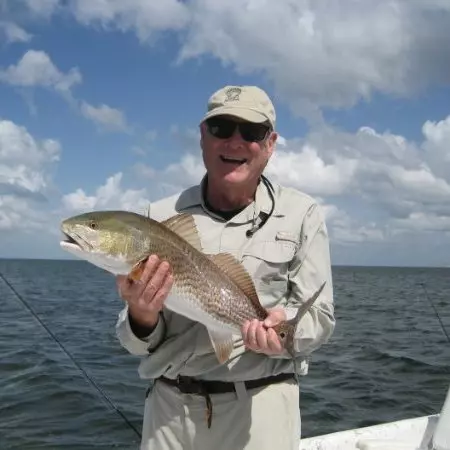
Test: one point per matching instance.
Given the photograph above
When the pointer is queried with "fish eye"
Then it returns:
(282, 335)
(93, 225)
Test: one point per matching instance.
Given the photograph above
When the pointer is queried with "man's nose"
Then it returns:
(236, 140)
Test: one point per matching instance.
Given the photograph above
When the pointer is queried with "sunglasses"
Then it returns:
(223, 128)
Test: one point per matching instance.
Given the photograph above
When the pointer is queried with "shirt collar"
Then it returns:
(194, 197)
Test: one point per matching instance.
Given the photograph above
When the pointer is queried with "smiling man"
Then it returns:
(279, 235)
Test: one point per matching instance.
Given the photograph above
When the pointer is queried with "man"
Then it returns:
(280, 237)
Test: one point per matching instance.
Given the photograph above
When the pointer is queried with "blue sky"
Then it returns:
(100, 103)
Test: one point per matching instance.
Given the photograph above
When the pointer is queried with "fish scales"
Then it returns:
(201, 283)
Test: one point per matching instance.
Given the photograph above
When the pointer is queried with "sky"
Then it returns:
(100, 102)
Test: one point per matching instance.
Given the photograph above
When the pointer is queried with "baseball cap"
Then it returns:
(249, 103)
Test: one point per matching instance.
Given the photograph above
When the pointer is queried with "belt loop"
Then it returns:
(241, 390)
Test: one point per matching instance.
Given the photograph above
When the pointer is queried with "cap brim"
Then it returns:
(242, 113)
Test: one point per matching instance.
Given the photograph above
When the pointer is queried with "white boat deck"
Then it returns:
(420, 433)
(408, 434)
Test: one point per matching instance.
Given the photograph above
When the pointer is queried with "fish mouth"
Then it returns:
(69, 239)
(74, 242)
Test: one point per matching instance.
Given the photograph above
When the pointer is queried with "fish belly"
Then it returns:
(189, 307)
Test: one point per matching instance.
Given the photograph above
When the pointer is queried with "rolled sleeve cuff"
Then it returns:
(135, 345)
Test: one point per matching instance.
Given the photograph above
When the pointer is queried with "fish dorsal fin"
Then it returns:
(237, 272)
(184, 225)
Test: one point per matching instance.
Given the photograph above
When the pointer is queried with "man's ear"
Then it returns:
(202, 128)
(271, 142)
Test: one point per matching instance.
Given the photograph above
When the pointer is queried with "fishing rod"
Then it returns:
(435, 311)
(84, 373)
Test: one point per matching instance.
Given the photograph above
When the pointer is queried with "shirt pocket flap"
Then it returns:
(279, 251)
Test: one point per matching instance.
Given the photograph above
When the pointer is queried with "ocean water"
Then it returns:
(388, 359)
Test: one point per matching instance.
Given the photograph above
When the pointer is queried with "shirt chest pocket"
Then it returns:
(268, 262)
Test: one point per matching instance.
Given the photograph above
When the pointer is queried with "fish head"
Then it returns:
(111, 240)
(286, 331)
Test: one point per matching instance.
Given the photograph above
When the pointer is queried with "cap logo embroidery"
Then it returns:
(233, 94)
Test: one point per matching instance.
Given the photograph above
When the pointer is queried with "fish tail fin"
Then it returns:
(287, 330)
(305, 307)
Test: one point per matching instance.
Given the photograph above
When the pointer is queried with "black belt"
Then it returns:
(189, 385)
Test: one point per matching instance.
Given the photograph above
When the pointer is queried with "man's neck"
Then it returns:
(229, 199)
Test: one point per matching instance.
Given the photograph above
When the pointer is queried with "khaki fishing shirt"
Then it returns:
(288, 259)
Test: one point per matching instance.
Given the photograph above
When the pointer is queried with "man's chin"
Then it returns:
(235, 178)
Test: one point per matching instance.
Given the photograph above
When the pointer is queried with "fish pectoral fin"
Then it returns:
(237, 272)
(222, 342)
(137, 270)
(184, 225)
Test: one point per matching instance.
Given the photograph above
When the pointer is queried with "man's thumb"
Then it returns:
(274, 318)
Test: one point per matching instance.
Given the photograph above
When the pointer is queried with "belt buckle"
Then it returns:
(188, 385)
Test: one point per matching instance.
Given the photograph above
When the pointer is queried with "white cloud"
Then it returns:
(42, 8)
(145, 18)
(110, 195)
(22, 158)
(306, 170)
(373, 184)
(144, 171)
(281, 141)
(423, 222)
(355, 234)
(107, 117)
(14, 33)
(113, 195)
(437, 146)
(36, 69)
(25, 175)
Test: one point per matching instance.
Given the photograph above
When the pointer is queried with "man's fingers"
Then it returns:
(156, 282)
(151, 266)
(261, 337)
(273, 343)
(161, 294)
(153, 278)
(251, 334)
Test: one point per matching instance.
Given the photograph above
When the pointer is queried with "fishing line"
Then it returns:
(435, 311)
(86, 375)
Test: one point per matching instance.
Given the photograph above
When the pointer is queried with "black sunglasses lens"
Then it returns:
(224, 129)
(253, 132)
(221, 128)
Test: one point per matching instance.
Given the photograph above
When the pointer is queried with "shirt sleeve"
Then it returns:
(307, 272)
(135, 345)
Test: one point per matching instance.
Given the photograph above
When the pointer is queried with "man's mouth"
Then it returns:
(232, 160)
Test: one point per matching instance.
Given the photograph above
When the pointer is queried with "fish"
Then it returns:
(213, 289)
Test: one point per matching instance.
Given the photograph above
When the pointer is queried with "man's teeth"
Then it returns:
(231, 159)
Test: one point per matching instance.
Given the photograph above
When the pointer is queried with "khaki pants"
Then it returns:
(265, 418)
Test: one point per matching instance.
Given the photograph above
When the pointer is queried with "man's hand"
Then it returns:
(146, 297)
(259, 335)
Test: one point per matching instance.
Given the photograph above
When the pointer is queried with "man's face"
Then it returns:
(235, 158)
